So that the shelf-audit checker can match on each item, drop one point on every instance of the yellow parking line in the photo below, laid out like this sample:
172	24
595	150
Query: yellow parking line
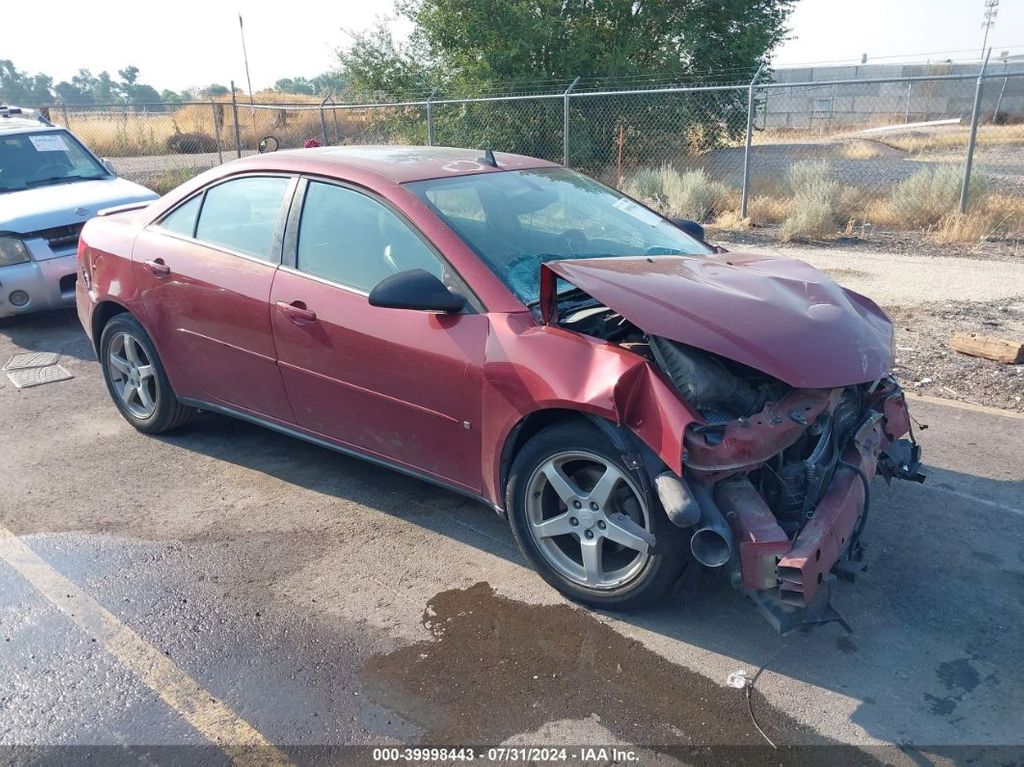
238	739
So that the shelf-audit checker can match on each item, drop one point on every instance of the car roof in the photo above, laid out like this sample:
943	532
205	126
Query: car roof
396	163
17	120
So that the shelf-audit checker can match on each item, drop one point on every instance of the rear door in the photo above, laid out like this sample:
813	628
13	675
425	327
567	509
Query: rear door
206	269
396	384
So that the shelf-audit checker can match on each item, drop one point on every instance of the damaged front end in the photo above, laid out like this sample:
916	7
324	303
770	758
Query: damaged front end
793	412
784	489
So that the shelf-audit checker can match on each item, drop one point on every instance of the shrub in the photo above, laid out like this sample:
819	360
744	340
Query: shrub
690	195
191	143
815	199
645	184
931	194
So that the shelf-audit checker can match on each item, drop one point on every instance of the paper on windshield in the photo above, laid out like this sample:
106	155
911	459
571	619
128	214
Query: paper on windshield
49	143
626	205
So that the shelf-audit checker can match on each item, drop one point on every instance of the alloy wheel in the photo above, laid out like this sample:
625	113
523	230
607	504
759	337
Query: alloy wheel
589	520
132	375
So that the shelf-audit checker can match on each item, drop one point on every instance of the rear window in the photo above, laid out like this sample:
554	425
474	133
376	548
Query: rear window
182	220
241	215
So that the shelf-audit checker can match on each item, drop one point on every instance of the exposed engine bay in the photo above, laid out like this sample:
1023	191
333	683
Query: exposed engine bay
776	480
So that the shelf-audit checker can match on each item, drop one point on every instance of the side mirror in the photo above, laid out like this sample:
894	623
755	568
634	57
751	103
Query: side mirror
109	166
695	230
692	228
416	289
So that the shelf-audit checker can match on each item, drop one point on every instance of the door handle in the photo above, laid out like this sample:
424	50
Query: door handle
158	267
296	311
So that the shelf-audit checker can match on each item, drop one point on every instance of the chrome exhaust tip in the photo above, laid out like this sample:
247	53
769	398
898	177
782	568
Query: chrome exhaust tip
710	547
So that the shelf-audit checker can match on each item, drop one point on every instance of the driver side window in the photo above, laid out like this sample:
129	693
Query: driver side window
351	239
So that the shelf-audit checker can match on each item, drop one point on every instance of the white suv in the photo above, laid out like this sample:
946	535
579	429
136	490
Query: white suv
49	186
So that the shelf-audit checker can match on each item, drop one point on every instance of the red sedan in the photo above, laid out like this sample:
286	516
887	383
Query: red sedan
632	398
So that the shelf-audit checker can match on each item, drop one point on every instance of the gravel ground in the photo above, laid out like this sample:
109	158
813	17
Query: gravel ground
929	297
926	363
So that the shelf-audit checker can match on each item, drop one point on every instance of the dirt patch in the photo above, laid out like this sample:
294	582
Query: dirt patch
925	362
873	240
496	667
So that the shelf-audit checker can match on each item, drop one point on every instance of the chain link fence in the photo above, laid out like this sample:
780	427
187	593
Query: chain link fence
752	151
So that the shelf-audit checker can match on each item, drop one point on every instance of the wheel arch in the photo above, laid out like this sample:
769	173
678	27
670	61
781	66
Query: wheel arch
635	454
104	312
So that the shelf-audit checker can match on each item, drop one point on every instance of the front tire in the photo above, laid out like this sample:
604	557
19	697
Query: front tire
136	379
585	524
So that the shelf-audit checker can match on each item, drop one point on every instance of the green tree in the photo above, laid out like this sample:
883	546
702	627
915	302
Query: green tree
15	86
105	89
473	45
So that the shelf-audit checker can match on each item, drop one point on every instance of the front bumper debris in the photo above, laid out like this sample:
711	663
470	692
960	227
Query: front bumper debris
790	577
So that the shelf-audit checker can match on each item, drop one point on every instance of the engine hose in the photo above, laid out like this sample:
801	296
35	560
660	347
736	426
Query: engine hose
867	501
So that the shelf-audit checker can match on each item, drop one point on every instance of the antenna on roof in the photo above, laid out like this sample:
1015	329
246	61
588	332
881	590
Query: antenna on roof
488	158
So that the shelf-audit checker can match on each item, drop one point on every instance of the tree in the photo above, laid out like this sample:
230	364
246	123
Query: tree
215	89
104	90
295	85
15	86
473	45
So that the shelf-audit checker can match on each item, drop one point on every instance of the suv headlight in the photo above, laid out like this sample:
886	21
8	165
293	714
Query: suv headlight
12	251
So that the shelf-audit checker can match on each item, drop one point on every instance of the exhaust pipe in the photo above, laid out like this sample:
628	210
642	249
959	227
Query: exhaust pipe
712	543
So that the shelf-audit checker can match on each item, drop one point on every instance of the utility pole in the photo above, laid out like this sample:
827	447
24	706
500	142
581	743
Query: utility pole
248	81
988	21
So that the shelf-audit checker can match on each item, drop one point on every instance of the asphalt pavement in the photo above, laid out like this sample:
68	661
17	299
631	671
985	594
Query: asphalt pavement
227	586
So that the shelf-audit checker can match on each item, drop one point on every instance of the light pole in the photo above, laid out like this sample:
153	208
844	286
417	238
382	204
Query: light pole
988	21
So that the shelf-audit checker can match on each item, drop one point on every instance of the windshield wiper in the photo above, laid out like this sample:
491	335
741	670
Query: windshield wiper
58	179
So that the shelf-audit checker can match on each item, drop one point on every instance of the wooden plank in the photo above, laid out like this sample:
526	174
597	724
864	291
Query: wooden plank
989	347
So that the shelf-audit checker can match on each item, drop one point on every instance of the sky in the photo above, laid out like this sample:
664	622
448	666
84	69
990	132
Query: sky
192	43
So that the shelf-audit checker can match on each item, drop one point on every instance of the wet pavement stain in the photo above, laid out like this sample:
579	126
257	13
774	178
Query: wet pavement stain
958	674
941	706
496	667
846	645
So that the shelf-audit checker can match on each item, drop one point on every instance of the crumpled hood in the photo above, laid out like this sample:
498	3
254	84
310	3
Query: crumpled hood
780	316
44	207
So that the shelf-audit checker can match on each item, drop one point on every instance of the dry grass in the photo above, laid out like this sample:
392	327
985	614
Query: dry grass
172	179
731	219
954	137
860	149
996	214
134	134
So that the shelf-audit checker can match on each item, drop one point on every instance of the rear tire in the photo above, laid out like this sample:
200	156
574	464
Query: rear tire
136	379
584	523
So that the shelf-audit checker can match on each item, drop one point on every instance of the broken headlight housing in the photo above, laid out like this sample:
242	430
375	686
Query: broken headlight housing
12	251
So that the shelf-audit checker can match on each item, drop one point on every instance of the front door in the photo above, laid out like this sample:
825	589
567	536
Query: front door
205	273
400	385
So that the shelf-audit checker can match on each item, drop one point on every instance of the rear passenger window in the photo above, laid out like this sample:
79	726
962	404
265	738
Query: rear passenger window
242	214
353	240
182	220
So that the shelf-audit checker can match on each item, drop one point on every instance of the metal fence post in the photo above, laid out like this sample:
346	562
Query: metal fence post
234	114
64	111
565	122
974	134
430	118
746	150
216	132
323	121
